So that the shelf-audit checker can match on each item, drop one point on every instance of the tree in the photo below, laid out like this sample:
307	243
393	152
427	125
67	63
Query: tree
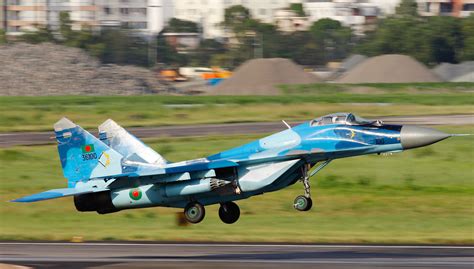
207	48
3	37
430	40
332	37
41	35
165	53
181	26
407	8
467	30
65	27
298	9
236	18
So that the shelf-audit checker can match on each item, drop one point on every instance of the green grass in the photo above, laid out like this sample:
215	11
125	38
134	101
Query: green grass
419	196
407	88
39	113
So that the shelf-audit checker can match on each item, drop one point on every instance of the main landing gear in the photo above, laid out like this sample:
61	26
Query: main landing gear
194	212
304	202
229	212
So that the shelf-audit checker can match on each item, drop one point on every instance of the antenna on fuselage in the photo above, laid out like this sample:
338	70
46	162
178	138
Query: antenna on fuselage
287	125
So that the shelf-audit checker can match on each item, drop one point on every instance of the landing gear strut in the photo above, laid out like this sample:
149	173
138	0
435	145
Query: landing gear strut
304	202
229	212
194	212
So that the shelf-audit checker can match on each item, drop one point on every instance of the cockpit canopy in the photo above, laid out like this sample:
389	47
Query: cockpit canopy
343	118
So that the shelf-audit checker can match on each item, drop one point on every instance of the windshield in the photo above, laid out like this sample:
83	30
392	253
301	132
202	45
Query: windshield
342	118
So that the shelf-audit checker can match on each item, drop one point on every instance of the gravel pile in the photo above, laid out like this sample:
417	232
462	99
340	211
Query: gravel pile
261	77
390	68
463	72
49	69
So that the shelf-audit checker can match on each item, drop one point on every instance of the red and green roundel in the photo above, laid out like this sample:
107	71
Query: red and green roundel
135	194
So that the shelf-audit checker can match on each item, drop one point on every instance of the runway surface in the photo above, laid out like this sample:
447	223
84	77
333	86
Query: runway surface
38	138
133	255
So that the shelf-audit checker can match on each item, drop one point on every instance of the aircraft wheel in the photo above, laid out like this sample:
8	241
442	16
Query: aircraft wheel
303	203
229	212
194	212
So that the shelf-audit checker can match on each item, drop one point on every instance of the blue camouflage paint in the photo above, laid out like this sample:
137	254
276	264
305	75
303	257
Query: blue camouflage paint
307	143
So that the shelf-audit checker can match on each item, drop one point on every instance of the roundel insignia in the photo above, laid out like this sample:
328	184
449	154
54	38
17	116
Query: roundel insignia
135	194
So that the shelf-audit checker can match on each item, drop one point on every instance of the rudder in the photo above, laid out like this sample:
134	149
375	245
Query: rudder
82	155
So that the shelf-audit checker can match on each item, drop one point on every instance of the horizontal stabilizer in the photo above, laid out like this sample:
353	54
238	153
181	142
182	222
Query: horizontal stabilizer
53	194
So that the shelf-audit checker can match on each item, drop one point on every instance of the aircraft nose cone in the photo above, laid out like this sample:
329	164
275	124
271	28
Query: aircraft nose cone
414	136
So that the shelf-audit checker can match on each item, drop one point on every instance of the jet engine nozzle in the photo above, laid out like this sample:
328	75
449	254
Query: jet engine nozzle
413	136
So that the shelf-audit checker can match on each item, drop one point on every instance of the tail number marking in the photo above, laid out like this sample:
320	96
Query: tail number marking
89	156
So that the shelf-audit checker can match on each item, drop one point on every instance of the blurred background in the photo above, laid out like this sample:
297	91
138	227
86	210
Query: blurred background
152	63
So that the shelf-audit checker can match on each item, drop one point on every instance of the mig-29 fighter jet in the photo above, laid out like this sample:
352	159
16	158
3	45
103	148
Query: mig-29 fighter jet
117	171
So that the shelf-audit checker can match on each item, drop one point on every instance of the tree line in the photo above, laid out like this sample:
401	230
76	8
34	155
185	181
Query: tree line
431	40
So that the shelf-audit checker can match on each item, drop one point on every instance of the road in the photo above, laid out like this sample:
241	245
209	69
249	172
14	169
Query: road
38	138
149	255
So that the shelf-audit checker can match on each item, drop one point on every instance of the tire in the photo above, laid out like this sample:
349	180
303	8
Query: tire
302	203
229	212
194	212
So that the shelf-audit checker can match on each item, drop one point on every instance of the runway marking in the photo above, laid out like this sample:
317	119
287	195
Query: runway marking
238	245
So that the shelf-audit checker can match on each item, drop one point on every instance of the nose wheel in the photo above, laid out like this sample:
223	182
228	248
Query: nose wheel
194	212
229	212
304	202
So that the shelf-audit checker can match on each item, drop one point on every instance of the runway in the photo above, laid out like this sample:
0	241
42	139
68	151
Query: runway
39	138
150	255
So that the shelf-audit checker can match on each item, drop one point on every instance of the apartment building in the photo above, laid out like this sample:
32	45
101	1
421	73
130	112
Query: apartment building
456	8
146	16
24	15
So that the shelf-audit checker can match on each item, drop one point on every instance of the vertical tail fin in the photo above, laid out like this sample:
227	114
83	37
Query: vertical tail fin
128	145
82	155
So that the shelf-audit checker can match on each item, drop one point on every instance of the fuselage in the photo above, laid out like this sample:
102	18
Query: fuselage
318	142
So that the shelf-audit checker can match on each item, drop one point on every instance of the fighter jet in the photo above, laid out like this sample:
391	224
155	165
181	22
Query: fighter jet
116	171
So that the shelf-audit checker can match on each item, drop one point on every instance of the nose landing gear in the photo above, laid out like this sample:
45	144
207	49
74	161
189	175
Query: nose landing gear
304	202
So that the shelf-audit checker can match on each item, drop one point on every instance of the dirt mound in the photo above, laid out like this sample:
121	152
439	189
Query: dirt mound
49	69
390	68
261	77
454	72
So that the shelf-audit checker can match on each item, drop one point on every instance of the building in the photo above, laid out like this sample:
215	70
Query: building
359	15
147	16
386	7
24	15
456	8
210	13
288	20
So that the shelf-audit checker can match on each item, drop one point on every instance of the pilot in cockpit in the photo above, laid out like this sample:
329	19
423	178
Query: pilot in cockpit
344	118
